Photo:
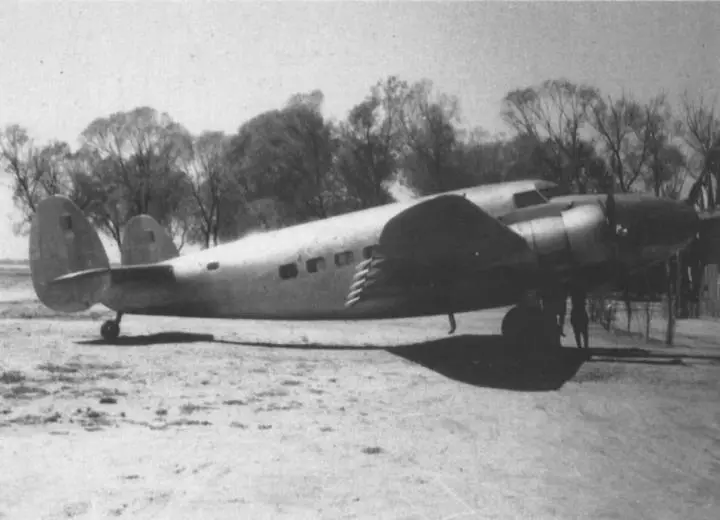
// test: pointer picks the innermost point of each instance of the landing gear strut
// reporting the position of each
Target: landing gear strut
(528, 328)
(110, 330)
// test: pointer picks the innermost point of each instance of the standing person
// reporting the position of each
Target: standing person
(562, 311)
(608, 315)
(556, 304)
(579, 318)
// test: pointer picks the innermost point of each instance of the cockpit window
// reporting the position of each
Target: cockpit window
(528, 198)
(553, 191)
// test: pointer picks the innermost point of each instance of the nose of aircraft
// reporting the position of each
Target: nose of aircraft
(655, 227)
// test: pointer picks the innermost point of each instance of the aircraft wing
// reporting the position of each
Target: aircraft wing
(432, 242)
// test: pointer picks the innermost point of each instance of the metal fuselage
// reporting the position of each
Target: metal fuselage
(267, 275)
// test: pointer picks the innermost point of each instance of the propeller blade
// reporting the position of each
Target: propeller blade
(610, 212)
(619, 273)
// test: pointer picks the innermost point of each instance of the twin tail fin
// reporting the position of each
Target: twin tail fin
(69, 265)
(62, 241)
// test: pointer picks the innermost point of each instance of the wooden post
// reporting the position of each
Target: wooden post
(671, 281)
(678, 286)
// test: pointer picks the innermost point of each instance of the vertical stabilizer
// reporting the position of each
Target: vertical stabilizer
(63, 242)
(146, 242)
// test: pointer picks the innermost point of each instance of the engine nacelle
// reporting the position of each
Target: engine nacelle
(575, 237)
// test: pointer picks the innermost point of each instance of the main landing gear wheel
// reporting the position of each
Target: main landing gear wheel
(529, 329)
(110, 330)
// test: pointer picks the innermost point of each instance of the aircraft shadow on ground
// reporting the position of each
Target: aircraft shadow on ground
(190, 337)
(479, 360)
(152, 339)
(486, 361)
(444, 348)
(640, 355)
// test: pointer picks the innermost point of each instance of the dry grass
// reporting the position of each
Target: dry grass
(220, 419)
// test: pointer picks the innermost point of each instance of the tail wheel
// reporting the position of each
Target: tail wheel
(110, 330)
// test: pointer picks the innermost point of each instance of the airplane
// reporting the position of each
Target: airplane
(484, 247)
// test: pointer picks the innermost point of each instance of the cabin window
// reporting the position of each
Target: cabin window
(212, 266)
(151, 236)
(66, 222)
(528, 198)
(344, 258)
(288, 271)
(315, 264)
(367, 252)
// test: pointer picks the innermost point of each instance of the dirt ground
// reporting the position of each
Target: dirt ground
(393, 419)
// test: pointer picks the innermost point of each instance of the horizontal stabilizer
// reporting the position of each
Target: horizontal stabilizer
(81, 275)
(153, 273)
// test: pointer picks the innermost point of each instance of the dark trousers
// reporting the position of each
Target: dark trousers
(580, 323)
(581, 333)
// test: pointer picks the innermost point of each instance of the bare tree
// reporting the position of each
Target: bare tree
(700, 127)
(37, 172)
(370, 143)
(428, 120)
(629, 133)
(665, 165)
(557, 112)
(17, 155)
(208, 170)
(136, 156)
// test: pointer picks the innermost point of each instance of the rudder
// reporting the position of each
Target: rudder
(146, 242)
(62, 241)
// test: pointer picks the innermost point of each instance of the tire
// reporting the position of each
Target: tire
(529, 330)
(110, 330)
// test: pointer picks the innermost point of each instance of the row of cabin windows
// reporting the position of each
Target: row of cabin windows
(317, 264)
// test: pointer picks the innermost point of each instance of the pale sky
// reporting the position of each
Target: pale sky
(214, 65)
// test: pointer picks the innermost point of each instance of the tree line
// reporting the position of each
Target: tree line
(293, 164)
